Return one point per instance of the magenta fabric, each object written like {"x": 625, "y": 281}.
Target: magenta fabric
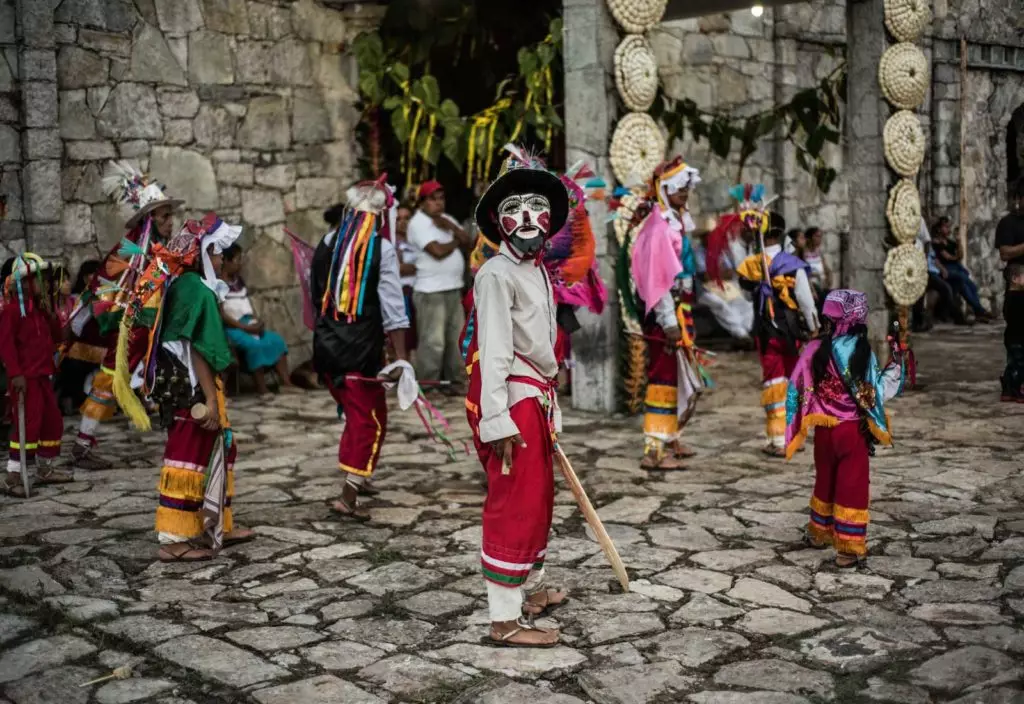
{"x": 656, "y": 259}
{"x": 846, "y": 308}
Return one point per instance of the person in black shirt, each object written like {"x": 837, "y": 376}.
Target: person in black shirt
{"x": 1010, "y": 243}
{"x": 949, "y": 254}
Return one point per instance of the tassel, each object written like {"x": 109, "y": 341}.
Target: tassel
{"x": 596, "y": 182}
{"x": 123, "y": 391}
{"x": 129, "y": 249}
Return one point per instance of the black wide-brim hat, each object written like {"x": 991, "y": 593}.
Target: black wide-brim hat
{"x": 518, "y": 181}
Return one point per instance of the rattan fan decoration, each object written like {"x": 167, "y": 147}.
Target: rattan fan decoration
{"x": 636, "y": 73}
{"x": 906, "y": 274}
{"x": 624, "y": 216}
{"x": 904, "y": 211}
{"x": 903, "y": 75}
{"x": 638, "y": 146}
{"x": 634, "y": 376}
{"x": 907, "y": 19}
{"x": 637, "y": 16}
{"x": 904, "y": 143}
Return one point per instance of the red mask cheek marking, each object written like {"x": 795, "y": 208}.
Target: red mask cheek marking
{"x": 544, "y": 221}
{"x": 508, "y": 224}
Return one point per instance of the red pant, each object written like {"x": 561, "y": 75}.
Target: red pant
{"x": 777, "y": 363}
{"x": 366, "y": 423}
{"x": 44, "y": 424}
{"x": 519, "y": 505}
{"x": 839, "y": 506}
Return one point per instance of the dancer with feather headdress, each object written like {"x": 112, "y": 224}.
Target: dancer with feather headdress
{"x": 149, "y": 214}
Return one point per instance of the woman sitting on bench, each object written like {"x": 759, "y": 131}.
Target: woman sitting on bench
{"x": 260, "y": 349}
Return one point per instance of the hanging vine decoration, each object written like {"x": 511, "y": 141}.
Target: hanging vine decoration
{"x": 429, "y": 127}
{"x": 810, "y": 120}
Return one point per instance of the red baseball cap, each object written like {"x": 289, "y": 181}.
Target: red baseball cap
{"x": 428, "y": 188}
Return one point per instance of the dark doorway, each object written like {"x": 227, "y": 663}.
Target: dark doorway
{"x": 1015, "y": 146}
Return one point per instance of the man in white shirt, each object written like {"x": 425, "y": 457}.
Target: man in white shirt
{"x": 437, "y": 291}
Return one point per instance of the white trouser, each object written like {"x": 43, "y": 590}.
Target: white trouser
{"x": 506, "y": 603}
{"x": 736, "y": 315}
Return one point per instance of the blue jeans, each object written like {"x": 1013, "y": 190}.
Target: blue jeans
{"x": 961, "y": 282}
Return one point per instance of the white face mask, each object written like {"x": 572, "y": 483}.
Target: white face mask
{"x": 525, "y": 217}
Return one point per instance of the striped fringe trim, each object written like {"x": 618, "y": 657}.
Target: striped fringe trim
{"x": 509, "y": 574}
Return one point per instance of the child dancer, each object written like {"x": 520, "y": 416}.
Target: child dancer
{"x": 29, "y": 334}
{"x": 838, "y": 388}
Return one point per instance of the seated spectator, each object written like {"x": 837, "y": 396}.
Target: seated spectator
{"x": 726, "y": 300}
{"x": 947, "y": 249}
{"x": 821, "y": 274}
{"x": 86, "y": 351}
{"x": 437, "y": 291}
{"x": 407, "y": 255}
{"x": 259, "y": 348}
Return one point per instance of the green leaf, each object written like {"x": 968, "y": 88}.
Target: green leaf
{"x": 433, "y": 153}
{"x": 816, "y": 142}
{"x": 400, "y": 72}
{"x": 528, "y": 63}
{"x": 801, "y": 159}
{"x": 369, "y": 86}
{"x": 392, "y": 102}
{"x": 831, "y": 135}
{"x": 400, "y": 125}
{"x": 825, "y": 178}
{"x": 555, "y": 29}
{"x": 546, "y": 54}
{"x": 449, "y": 108}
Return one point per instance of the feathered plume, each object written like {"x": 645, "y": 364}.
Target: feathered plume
{"x": 122, "y": 182}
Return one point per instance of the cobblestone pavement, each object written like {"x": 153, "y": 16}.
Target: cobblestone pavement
{"x": 727, "y": 606}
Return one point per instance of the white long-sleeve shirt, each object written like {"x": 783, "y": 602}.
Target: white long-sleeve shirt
{"x": 389, "y": 289}
{"x": 516, "y": 333}
{"x": 802, "y": 291}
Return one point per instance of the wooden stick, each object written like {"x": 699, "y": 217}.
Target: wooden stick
{"x": 964, "y": 216}
{"x": 904, "y": 315}
{"x": 593, "y": 520}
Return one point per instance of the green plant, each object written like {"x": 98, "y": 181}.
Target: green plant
{"x": 810, "y": 120}
{"x": 429, "y": 126}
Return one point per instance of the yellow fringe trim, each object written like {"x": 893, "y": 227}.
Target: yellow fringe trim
{"x": 187, "y": 524}
{"x": 850, "y": 547}
{"x": 851, "y": 515}
{"x": 883, "y": 437}
{"x": 811, "y": 420}
{"x": 123, "y": 392}
{"x": 819, "y": 534}
{"x": 820, "y": 507}
{"x": 180, "y": 483}
{"x": 86, "y": 353}
{"x": 661, "y": 396}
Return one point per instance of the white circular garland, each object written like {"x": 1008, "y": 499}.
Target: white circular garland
{"x": 907, "y": 19}
{"x": 637, "y": 16}
{"x": 906, "y": 274}
{"x": 904, "y": 211}
{"x": 904, "y": 143}
{"x": 636, "y": 73}
{"x": 903, "y": 76}
{"x": 638, "y": 146}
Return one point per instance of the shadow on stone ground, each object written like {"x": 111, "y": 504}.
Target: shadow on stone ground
{"x": 728, "y": 608}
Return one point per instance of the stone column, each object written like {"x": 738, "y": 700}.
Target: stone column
{"x": 590, "y": 111}
{"x": 41, "y": 145}
{"x": 864, "y": 253}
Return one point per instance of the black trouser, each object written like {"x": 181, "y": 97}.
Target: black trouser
{"x": 947, "y": 299}
{"x": 1013, "y": 339}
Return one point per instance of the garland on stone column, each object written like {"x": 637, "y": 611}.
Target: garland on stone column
{"x": 904, "y": 78}
{"x": 638, "y": 145}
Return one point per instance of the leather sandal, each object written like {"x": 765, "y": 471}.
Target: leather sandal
{"x": 185, "y": 552}
{"x": 497, "y": 640}
{"x": 12, "y": 486}
{"x": 535, "y": 609}
{"x": 352, "y": 512}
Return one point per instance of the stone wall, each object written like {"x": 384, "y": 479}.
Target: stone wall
{"x": 241, "y": 106}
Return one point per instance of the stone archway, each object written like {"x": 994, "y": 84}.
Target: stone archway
{"x": 1015, "y": 146}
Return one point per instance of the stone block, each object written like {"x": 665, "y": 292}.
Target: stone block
{"x": 42, "y": 196}
{"x": 178, "y": 132}
{"x": 219, "y": 155}
{"x": 40, "y": 103}
{"x": 130, "y": 113}
{"x": 41, "y": 144}
{"x": 89, "y": 151}
{"x": 688, "y": 84}
{"x": 152, "y": 60}
{"x": 116, "y": 43}
{"x": 220, "y": 94}
{"x": 80, "y": 68}
{"x": 7, "y": 22}
{"x": 269, "y": 21}
{"x": 179, "y": 17}
{"x": 46, "y": 239}
{"x": 83, "y": 182}
{"x": 179, "y": 47}
{"x": 284, "y": 63}
{"x": 38, "y": 65}
{"x": 732, "y": 87}
{"x": 187, "y": 174}
{"x": 7, "y": 82}
{"x": 228, "y": 16}
{"x": 108, "y": 224}
{"x": 310, "y": 122}
{"x": 318, "y": 23}
{"x": 711, "y": 24}
{"x": 97, "y": 97}
{"x": 76, "y": 120}
{"x": 697, "y": 50}
{"x": 215, "y": 127}
{"x": 744, "y": 23}
{"x": 178, "y": 104}
{"x": 209, "y": 58}
{"x": 235, "y": 174}
{"x": 730, "y": 46}
{"x": 316, "y": 192}
{"x": 77, "y": 223}
{"x": 262, "y": 207}
{"x": 230, "y": 197}
{"x": 281, "y": 177}
{"x": 266, "y": 124}
{"x": 110, "y": 15}
{"x": 134, "y": 149}
{"x": 36, "y": 23}
{"x": 10, "y": 145}
{"x": 10, "y": 188}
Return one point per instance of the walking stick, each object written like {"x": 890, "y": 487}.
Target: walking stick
{"x": 593, "y": 520}
{"x": 21, "y": 440}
